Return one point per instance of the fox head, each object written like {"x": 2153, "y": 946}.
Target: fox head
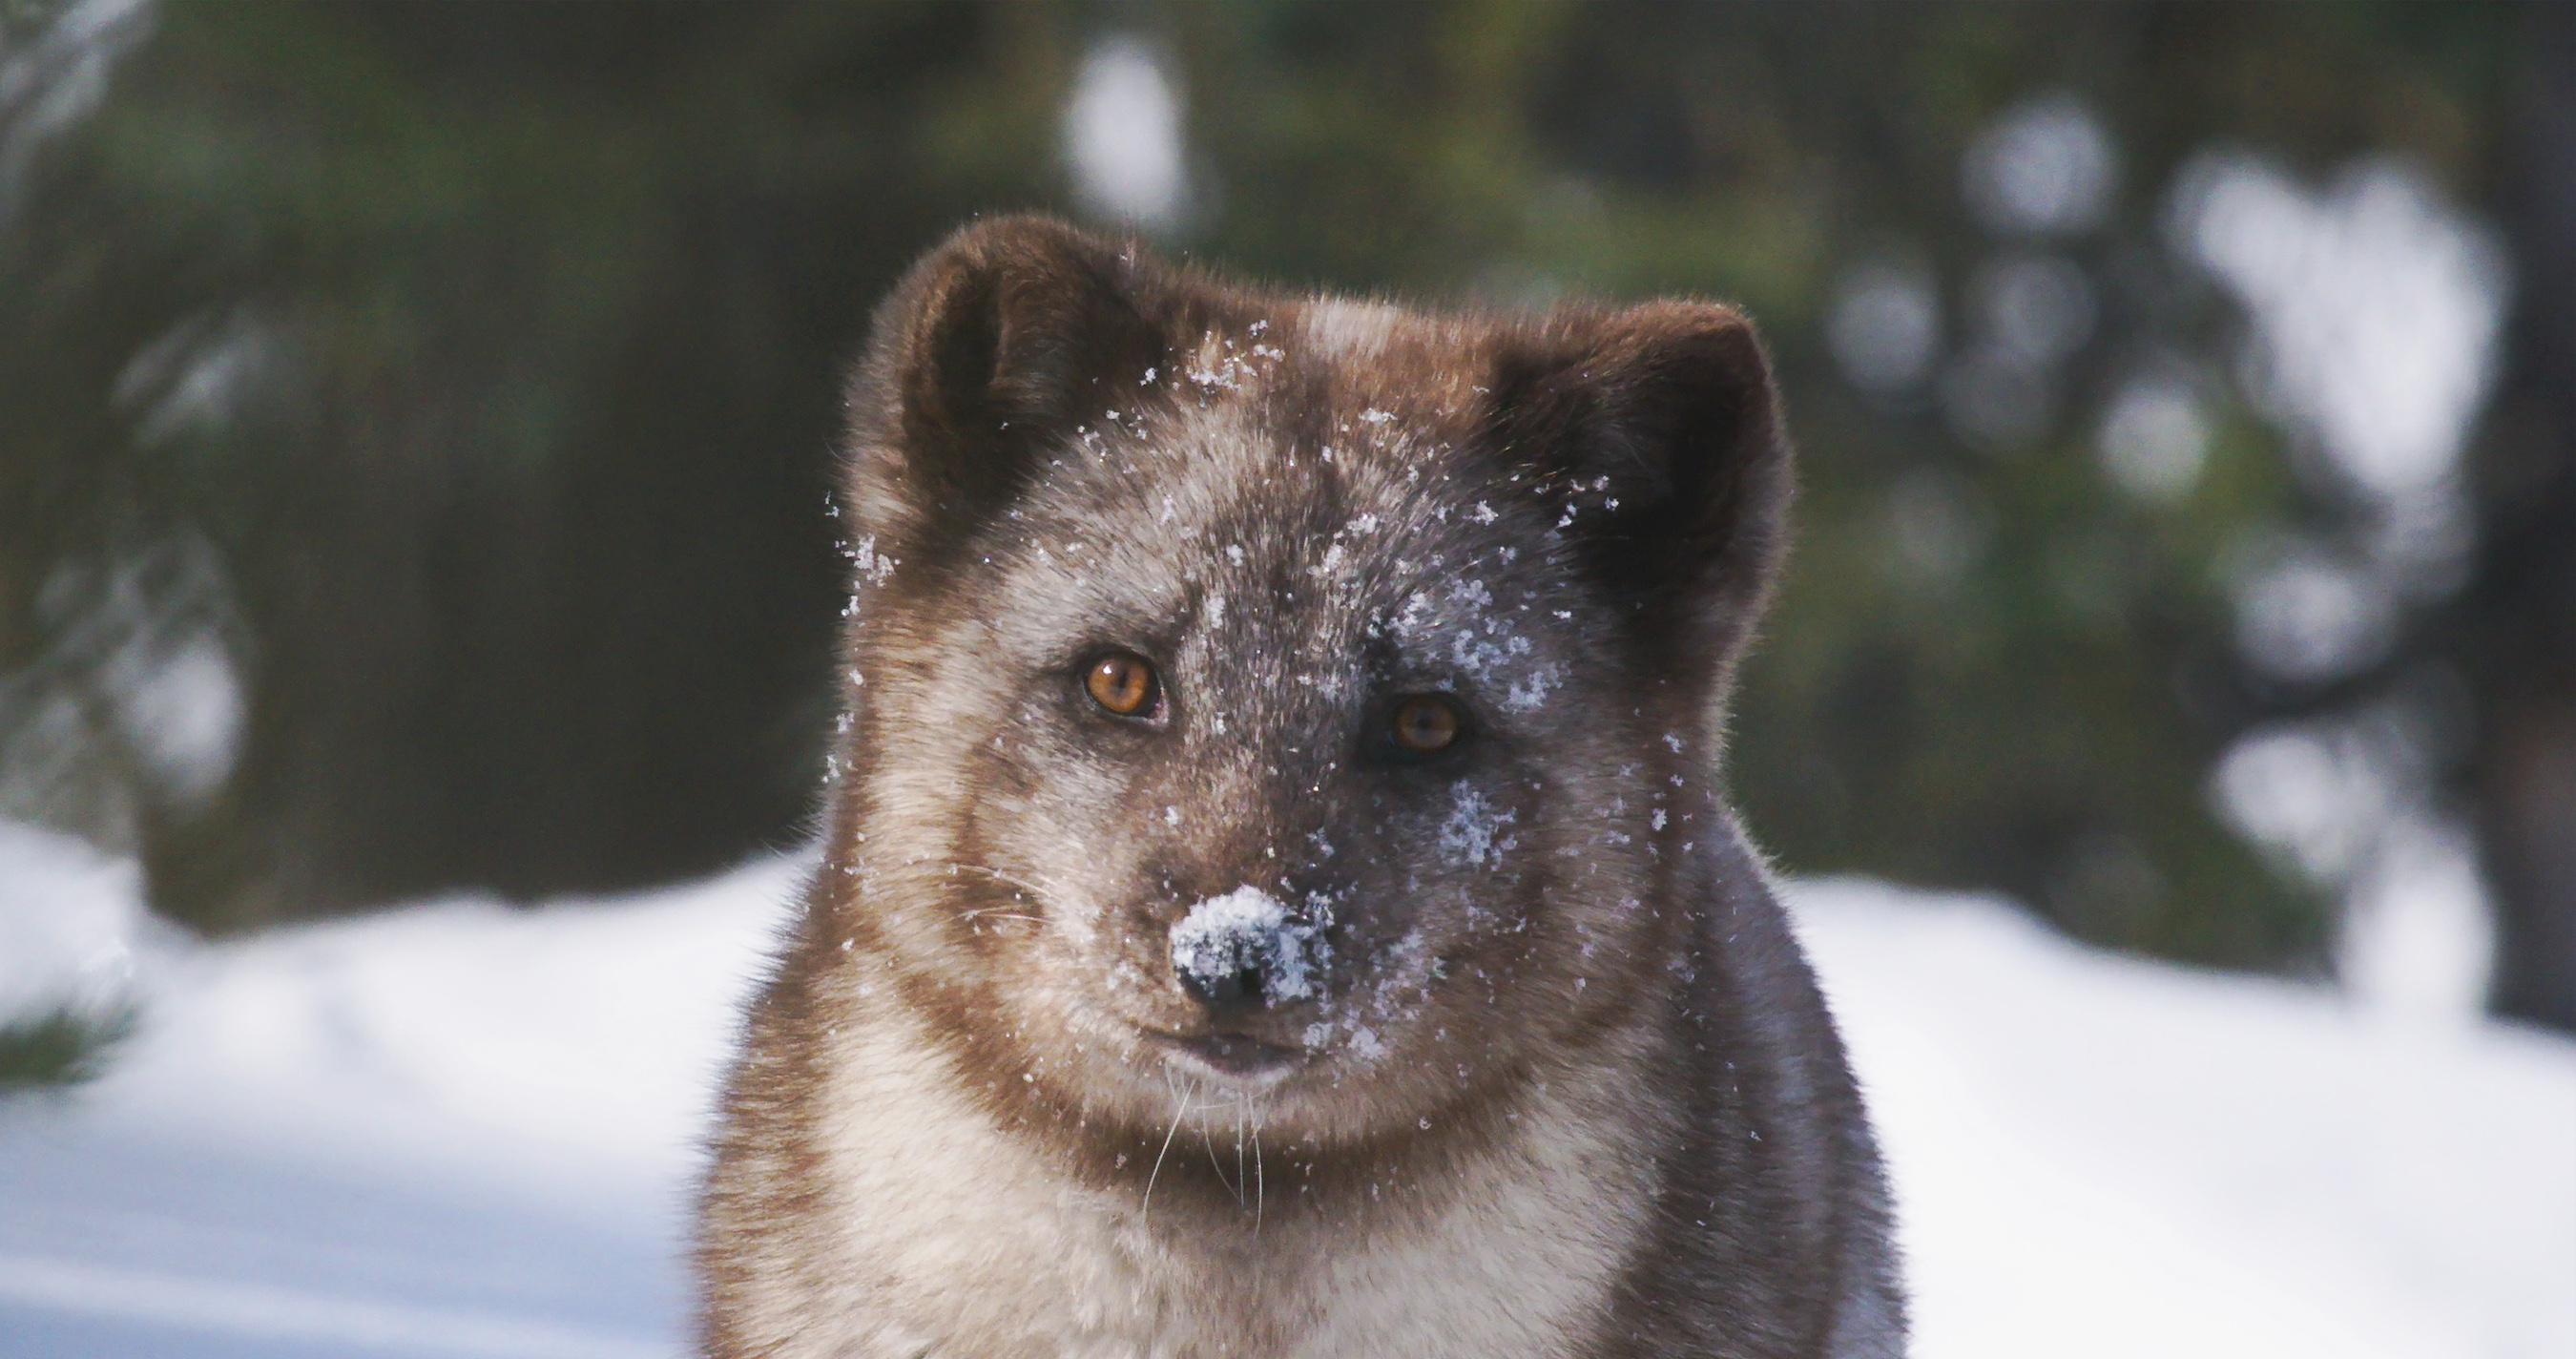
{"x": 1281, "y": 703}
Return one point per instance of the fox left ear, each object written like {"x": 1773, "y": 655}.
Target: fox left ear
{"x": 1654, "y": 434}
{"x": 998, "y": 346}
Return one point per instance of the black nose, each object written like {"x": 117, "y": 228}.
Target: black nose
{"x": 1238, "y": 988}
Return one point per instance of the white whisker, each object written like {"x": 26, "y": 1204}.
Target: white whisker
{"x": 1178, "y": 1114}
{"x": 1006, "y": 879}
{"x": 1207, "y": 1143}
{"x": 1260, "y": 1184}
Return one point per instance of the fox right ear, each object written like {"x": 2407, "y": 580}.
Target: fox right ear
{"x": 1656, "y": 431}
{"x": 998, "y": 345}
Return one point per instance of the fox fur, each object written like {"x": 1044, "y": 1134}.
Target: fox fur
{"x": 1558, "y": 1081}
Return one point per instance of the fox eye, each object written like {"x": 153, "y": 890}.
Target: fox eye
{"x": 1123, "y": 683}
{"x": 1425, "y": 724}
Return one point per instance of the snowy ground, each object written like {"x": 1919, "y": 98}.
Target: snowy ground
{"x": 461, "y": 1130}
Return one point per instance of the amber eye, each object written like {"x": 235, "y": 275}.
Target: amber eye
{"x": 1425, "y": 725}
{"x": 1123, "y": 684}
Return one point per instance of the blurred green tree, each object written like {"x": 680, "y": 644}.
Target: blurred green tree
{"x": 1995, "y": 665}
{"x": 485, "y": 356}
{"x": 492, "y": 353}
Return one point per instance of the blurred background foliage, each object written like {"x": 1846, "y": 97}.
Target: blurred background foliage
{"x": 416, "y": 420}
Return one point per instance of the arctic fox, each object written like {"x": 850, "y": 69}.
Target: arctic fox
{"x": 1278, "y": 898}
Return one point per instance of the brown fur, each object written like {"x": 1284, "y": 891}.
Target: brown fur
{"x": 1566, "y": 1086}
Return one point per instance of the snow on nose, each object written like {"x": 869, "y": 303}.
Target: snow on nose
{"x": 1244, "y": 948}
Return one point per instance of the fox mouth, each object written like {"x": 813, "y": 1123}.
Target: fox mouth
{"x": 1234, "y": 1054}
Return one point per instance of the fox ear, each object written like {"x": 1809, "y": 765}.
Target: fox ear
{"x": 999, "y": 344}
{"x": 1655, "y": 435}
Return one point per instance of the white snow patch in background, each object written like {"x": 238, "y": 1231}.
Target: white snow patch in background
{"x": 1246, "y": 928}
{"x": 455, "y": 1129}
{"x": 2046, "y": 167}
{"x": 2347, "y": 803}
{"x": 1885, "y": 324}
{"x": 72, "y": 926}
{"x": 464, "y": 1129}
{"x": 56, "y": 80}
{"x": 2154, "y": 439}
{"x": 183, "y": 713}
{"x": 2102, "y": 1156}
{"x": 2417, "y": 941}
{"x": 2377, "y": 306}
{"x": 2305, "y": 612}
{"x": 1122, "y": 134}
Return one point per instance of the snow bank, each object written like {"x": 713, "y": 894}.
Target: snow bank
{"x": 70, "y": 924}
{"x": 466, "y": 1130}
{"x": 2102, "y": 1156}
{"x": 458, "y": 1129}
